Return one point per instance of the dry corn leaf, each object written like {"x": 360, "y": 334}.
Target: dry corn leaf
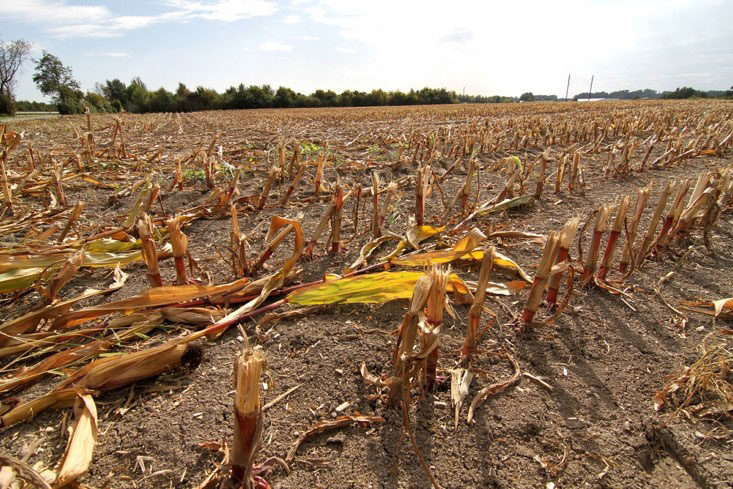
{"x": 326, "y": 425}
{"x": 501, "y": 261}
{"x": 720, "y": 306}
{"x": 153, "y": 297}
{"x": 375, "y": 288}
{"x": 30, "y": 320}
{"x": 461, "y": 249}
{"x": 417, "y": 234}
{"x": 83, "y": 439}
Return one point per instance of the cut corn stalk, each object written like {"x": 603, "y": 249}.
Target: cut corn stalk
{"x": 474, "y": 314}
{"x": 673, "y": 214}
{"x": 376, "y": 229}
{"x": 266, "y": 188}
{"x": 600, "y": 226}
{"x": 248, "y": 419}
{"x": 430, "y": 328}
{"x": 652, "y": 229}
{"x": 641, "y": 200}
{"x": 78, "y": 209}
{"x": 616, "y": 228}
{"x": 338, "y": 203}
{"x": 540, "y": 280}
{"x": 146, "y": 232}
{"x": 179, "y": 241}
{"x": 566, "y": 240}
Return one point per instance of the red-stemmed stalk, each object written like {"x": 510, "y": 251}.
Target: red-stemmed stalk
{"x": 540, "y": 280}
{"x": 338, "y": 203}
{"x": 248, "y": 418}
{"x": 616, "y": 228}
{"x": 566, "y": 239}
{"x": 272, "y": 175}
{"x": 319, "y": 176}
{"x": 589, "y": 266}
{"x": 641, "y": 200}
{"x": 239, "y": 246}
{"x": 272, "y": 243}
{"x": 293, "y": 185}
{"x": 674, "y": 213}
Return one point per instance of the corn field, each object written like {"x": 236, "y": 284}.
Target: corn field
{"x": 534, "y": 295}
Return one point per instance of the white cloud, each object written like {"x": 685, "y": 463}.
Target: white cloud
{"x": 274, "y": 46}
{"x": 66, "y": 20}
{"x": 308, "y": 38}
{"x": 109, "y": 54}
{"x": 345, "y": 50}
{"x": 225, "y": 10}
{"x": 292, "y": 19}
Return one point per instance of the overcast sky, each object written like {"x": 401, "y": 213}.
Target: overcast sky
{"x": 504, "y": 47}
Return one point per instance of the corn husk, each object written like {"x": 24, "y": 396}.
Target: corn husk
{"x": 82, "y": 440}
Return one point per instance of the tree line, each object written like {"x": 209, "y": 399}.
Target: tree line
{"x": 648, "y": 93}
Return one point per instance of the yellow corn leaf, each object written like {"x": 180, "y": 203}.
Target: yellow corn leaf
{"x": 112, "y": 245}
{"x": 462, "y": 248}
{"x": 83, "y": 439}
{"x": 416, "y": 234}
{"x": 55, "y": 259}
{"x": 375, "y": 288}
{"x": 500, "y": 260}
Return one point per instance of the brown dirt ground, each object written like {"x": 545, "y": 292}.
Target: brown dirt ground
{"x": 605, "y": 358}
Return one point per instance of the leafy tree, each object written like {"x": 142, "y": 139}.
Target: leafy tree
{"x": 55, "y": 79}
{"x": 12, "y": 55}
{"x": 526, "y": 97}
{"x": 116, "y": 92}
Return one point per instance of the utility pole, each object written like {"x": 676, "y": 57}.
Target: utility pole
{"x": 567, "y": 89}
{"x": 591, "y": 87}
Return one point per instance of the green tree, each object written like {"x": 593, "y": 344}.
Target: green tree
{"x": 57, "y": 80}
{"x": 12, "y": 55}
{"x": 527, "y": 97}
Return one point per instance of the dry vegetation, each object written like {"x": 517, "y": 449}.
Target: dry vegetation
{"x": 554, "y": 267}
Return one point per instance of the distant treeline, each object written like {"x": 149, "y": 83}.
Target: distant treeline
{"x": 115, "y": 95}
{"x": 647, "y": 93}
{"x": 27, "y": 106}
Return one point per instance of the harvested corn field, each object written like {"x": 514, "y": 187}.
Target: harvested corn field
{"x": 534, "y": 295}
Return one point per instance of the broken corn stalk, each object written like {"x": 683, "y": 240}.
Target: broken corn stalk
{"x": 248, "y": 420}
{"x": 179, "y": 241}
{"x": 616, "y": 228}
{"x": 600, "y": 226}
{"x": 474, "y": 314}
{"x": 540, "y": 280}
{"x": 150, "y": 255}
{"x": 641, "y": 200}
{"x": 566, "y": 239}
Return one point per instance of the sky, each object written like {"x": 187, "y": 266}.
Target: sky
{"x": 488, "y": 47}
